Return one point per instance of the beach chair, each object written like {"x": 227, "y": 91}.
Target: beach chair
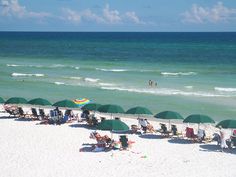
{"x": 124, "y": 142}
{"x": 174, "y": 130}
{"x": 42, "y": 114}
{"x": 21, "y": 112}
{"x": 13, "y": 113}
{"x": 34, "y": 113}
{"x": 54, "y": 117}
{"x": 164, "y": 132}
{"x": 135, "y": 129}
{"x": 201, "y": 135}
{"x": 190, "y": 134}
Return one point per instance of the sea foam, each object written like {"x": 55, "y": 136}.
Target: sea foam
{"x": 165, "y": 91}
{"x": 59, "y": 83}
{"x": 112, "y": 70}
{"x": 178, "y": 73}
{"x": 222, "y": 89}
{"x": 26, "y": 75}
{"x": 87, "y": 79}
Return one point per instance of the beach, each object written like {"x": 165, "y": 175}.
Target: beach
{"x": 28, "y": 149}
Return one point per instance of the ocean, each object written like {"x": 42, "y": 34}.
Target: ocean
{"x": 192, "y": 73}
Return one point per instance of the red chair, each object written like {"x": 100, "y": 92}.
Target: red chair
{"x": 190, "y": 133}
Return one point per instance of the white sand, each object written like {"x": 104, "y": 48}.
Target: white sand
{"x": 30, "y": 150}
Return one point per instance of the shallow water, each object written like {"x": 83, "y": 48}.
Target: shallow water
{"x": 194, "y": 72}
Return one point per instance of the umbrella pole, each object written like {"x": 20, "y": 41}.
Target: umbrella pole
{"x": 169, "y": 124}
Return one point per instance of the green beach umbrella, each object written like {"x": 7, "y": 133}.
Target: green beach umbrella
{"x": 168, "y": 115}
{"x": 110, "y": 108}
{"x": 16, "y": 100}
{"x": 113, "y": 124}
{"x": 65, "y": 104}
{"x": 1, "y": 100}
{"x": 139, "y": 111}
{"x": 91, "y": 106}
{"x": 230, "y": 123}
{"x": 40, "y": 102}
{"x": 198, "y": 118}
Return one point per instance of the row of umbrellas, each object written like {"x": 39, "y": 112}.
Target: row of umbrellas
{"x": 168, "y": 115}
{"x": 39, "y": 102}
{"x": 113, "y": 109}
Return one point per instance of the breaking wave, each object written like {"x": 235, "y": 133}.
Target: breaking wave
{"x": 178, "y": 73}
{"x": 26, "y": 75}
{"x": 87, "y": 79}
{"x": 166, "y": 92}
{"x": 112, "y": 70}
{"x": 222, "y": 89}
{"x": 59, "y": 83}
{"x": 106, "y": 84}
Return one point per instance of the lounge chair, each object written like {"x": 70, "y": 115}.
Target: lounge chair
{"x": 135, "y": 129}
{"x": 42, "y": 114}
{"x": 34, "y": 113}
{"x": 233, "y": 140}
{"x": 124, "y": 142}
{"x": 190, "y": 134}
{"x": 13, "y": 113}
{"x": 174, "y": 129}
{"x": 21, "y": 112}
{"x": 54, "y": 117}
{"x": 201, "y": 135}
{"x": 164, "y": 132}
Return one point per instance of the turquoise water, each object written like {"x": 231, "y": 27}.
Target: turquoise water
{"x": 195, "y": 72}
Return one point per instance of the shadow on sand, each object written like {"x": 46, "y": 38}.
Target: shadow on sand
{"x": 23, "y": 119}
{"x": 6, "y": 117}
{"x": 216, "y": 148}
{"x": 151, "y": 136}
{"x": 179, "y": 141}
{"x": 82, "y": 126}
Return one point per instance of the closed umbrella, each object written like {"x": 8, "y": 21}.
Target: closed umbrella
{"x": 16, "y": 100}
{"x": 65, "y": 104}
{"x": 139, "y": 111}
{"x": 40, "y": 102}
{"x": 229, "y": 123}
{"x": 168, "y": 115}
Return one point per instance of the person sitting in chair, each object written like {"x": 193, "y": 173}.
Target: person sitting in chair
{"x": 149, "y": 126}
{"x": 201, "y": 135}
{"x": 143, "y": 123}
{"x": 174, "y": 129}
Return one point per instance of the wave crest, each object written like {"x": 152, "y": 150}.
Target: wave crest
{"x": 26, "y": 75}
{"x": 178, "y": 73}
{"x": 165, "y": 91}
{"x": 87, "y": 79}
{"x": 111, "y": 70}
{"x": 222, "y": 89}
{"x": 59, "y": 83}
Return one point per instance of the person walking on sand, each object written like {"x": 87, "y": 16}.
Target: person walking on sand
{"x": 223, "y": 139}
